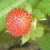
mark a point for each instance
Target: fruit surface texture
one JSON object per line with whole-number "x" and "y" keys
{"x": 18, "y": 22}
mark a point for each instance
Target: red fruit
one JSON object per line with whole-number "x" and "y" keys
{"x": 18, "y": 22}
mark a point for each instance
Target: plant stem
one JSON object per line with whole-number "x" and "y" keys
{"x": 18, "y": 41}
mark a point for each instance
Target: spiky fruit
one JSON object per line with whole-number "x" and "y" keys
{"x": 18, "y": 22}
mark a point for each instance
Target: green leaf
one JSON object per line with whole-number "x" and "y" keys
{"x": 28, "y": 8}
{"x": 25, "y": 38}
{"x": 37, "y": 33}
{"x": 22, "y": 5}
{"x": 38, "y": 14}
